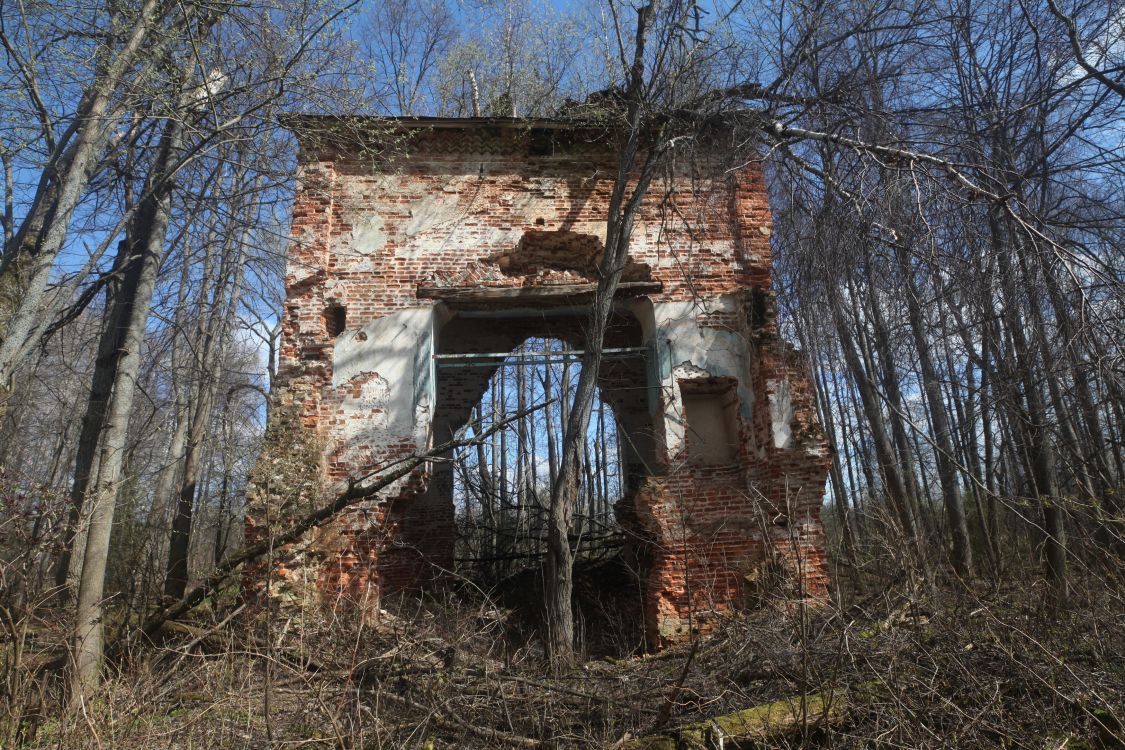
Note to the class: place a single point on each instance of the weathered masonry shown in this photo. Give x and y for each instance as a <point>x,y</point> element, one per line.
<point>477,236</point>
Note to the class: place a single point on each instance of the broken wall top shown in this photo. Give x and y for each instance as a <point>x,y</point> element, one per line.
<point>387,208</point>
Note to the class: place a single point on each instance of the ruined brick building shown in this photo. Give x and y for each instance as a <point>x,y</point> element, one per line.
<point>474,235</point>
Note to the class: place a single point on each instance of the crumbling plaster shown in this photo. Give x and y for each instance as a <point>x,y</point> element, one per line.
<point>687,351</point>
<point>384,372</point>
<point>782,412</point>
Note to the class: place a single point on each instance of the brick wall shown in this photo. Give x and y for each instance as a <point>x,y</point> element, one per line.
<point>461,205</point>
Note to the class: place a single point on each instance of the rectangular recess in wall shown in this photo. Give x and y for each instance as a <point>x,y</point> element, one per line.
<point>710,420</point>
<point>335,320</point>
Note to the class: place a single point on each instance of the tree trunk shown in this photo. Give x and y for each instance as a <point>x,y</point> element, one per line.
<point>212,346</point>
<point>827,419</point>
<point>25,267</point>
<point>1033,426</point>
<point>146,240</point>
<point>106,364</point>
<point>961,552</point>
<point>895,486</point>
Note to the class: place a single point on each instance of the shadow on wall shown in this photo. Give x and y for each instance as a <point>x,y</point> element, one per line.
<point>540,251</point>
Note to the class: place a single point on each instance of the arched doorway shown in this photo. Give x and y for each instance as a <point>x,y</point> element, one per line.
<point>502,483</point>
<point>481,516</point>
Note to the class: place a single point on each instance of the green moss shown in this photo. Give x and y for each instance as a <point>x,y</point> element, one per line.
<point>746,727</point>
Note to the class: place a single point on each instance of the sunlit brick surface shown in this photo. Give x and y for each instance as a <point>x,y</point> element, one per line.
<point>472,205</point>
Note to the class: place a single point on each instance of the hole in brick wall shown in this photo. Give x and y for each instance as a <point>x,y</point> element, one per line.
<point>710,421</point>
<point>335,320</point>
<point>541,250</point>
<point>759,308</point>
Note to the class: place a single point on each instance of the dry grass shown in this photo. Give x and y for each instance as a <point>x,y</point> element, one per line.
<point>969,669</point>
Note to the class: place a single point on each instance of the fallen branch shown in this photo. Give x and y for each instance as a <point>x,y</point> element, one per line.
<point>552,688</point>
<point>201,634</point>
<point>357,491</point>
<point>674,694</point>
<point>450,724</point>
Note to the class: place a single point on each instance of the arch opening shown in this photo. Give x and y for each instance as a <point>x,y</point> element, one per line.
<point>489,527</point>
<point>502,484</point>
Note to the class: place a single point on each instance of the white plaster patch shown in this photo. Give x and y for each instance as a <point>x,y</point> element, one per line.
<point>369,236</point>
<point>532,205</point>
<point>297,268</point>
<point>642,310</point>
<point>298,273</point>
<point>782,413</point>
<point>374,394</point>
<point>545,186</point>
<point>431,212</point>
<point>722,353</point>
<point>640,244</point>
<point>498,237</point>
<point>690,351</point>
<point>462,183</point>
<point>423,422</point>
<point>688,371</point>
<point>386,350</point>
<point>335,289</point>
<point>357,262</point>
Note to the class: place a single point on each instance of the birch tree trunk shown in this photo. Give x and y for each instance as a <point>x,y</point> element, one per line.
<point>25,267</point>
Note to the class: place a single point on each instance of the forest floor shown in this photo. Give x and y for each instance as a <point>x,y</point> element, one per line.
<point>972,668</point>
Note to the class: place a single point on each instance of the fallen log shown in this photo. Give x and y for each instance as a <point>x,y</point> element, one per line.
<point>750,727</point>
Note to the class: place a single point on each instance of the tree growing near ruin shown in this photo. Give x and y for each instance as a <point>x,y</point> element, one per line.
<point>830,114</point>
<point>166,92</point>
<point>995,243</point>
<point>947,190</point>
<point>131,43</point>
<point>648,74</point>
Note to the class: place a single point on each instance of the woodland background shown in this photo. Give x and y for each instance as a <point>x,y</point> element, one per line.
<point>949,202</point>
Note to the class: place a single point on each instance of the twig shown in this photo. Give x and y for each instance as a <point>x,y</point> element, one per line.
<point>494,735</point>
<point>670,700</point>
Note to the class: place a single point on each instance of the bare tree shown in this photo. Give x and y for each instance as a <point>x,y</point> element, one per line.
<point>145,242</point>
<point>73,154</point>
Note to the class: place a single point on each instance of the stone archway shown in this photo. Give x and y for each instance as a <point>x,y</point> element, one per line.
<point>469,342</point>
